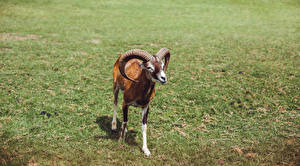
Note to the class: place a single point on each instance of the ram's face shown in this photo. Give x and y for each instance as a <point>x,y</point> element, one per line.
<point>155,68</point>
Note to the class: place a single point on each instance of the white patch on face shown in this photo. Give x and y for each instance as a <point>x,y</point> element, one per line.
<point>162,77</point>
<point>150,67</point>
<point>162,73</point>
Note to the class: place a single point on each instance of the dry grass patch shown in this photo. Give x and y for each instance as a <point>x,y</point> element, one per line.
<point>15,37</point>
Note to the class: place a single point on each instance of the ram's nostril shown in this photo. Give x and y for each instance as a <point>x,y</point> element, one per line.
<point>163,78</point>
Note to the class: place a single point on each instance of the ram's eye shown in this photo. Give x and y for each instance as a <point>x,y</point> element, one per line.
<point>149,68</point>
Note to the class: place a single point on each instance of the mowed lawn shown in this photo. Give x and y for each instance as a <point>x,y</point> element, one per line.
<point>232,96</point>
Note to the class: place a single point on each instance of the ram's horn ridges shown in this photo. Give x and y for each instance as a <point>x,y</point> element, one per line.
<point>131,54</point>
<point>164,53</point>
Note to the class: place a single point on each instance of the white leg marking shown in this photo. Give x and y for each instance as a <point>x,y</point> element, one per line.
<point>144,130</point>
<point>114,121</point>
<point>123,132</point>
<point>145,148</point>
<point>162,77</point>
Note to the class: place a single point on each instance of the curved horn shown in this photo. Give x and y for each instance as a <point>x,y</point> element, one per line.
<point>164,52</point>
<point>136,53</point>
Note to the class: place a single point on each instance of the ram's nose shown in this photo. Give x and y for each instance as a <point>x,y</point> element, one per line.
<point>163,80</point>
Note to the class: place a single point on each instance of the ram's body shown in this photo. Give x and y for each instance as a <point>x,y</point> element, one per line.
<point>135,73</point>
<point>135,93</point>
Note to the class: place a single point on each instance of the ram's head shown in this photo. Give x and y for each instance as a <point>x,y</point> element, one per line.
<point>152,64</point>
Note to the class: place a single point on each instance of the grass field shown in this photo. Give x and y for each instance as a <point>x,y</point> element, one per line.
<point>232,96</point>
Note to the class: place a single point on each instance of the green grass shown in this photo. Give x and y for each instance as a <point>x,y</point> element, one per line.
<point>232,96</point>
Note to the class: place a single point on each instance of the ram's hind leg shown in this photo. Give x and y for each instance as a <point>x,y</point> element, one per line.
<point>125,120</point>
<point>114,121</point>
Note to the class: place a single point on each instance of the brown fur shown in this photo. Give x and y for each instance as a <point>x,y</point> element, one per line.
<point>135,93</point>
<point>137,82</point>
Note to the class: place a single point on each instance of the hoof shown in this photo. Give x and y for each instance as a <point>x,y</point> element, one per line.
<point>121,139</point>
<point>146,151</point>
<point>114,126</point>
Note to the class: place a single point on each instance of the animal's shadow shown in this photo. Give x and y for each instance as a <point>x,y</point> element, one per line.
<point>104,122</point>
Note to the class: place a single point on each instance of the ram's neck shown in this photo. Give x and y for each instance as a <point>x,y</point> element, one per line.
<point>146,78</point>
<point>147,83</point>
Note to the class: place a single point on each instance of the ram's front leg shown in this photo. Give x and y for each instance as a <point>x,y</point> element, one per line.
<point>114,121</point>
<point>144,130</point>
<point>125,120</point>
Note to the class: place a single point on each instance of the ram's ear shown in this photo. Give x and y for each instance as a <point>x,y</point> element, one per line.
<point>142,66</point>
<point>147,66</point>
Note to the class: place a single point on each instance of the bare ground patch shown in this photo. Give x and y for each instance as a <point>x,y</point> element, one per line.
<point>5,49</point>
<point>12,36</point>
<point>95,41</point>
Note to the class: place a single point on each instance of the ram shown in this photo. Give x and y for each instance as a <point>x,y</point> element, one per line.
<point>135,73</point>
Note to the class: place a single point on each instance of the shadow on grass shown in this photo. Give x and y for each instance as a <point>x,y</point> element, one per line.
<point>104,123</point>
<point>9,153</point>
